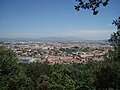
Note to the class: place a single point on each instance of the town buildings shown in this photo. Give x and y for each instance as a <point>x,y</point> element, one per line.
<point>59,52</point>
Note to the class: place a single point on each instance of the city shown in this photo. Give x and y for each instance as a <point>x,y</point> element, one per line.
<point>59,52</point>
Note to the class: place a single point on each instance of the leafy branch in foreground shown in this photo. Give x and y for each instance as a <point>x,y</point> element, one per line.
<point>91,4</point>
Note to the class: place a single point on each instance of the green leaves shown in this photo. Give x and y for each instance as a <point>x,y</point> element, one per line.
<point>107,76</point>
<point>115,40</point>
<point>11,75</point>
<point>42,76</point>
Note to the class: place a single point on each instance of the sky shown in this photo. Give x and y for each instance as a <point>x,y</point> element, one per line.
<point>55,18</point>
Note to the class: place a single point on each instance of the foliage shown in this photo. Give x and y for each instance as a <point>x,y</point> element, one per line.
<point>11,75</point>
<point>43,76</point>
<point>117,22</point>
<point>115,40</point>
<point>107,76</point>
<point>91,4</point>
<point>38,72</point>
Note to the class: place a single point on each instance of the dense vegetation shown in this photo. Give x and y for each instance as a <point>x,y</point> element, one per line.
<point>43,76</point>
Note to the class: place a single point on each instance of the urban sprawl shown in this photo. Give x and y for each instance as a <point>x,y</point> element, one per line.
<point>58,52</point>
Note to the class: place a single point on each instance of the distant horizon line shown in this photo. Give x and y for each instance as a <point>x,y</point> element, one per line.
<point>52,38</point>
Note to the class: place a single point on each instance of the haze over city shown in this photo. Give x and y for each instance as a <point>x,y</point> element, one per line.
<point>44,18</point>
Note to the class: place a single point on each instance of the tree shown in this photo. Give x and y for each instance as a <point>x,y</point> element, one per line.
<point>115,40</point>
<point>39,74</point>
<point>107,76</point>
<point>11,75</point>
<point>90,4</point>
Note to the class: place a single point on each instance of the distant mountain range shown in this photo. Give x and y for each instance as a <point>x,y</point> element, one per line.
<point>43,39</point>
<point>58,39</point>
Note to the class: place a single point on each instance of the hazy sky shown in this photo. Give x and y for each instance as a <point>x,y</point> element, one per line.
<point>55,18</point>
